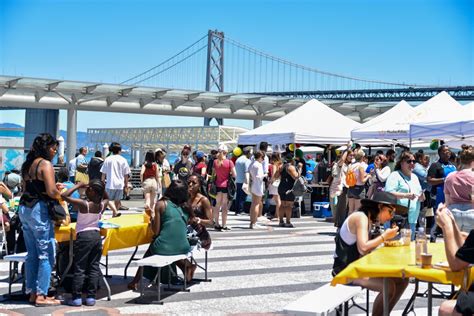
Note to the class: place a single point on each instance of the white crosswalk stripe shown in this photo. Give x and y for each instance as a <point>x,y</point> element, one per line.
<point>257,271</point>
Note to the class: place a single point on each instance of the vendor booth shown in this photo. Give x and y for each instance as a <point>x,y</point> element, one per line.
<point>311,123</point>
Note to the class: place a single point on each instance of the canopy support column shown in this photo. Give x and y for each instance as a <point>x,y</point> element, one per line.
<point>257,123</point>
<point>71,133</point>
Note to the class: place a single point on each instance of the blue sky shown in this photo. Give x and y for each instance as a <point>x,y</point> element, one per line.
<point>425,42</point>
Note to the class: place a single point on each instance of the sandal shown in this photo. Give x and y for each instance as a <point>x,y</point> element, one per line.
<point>42,301</point>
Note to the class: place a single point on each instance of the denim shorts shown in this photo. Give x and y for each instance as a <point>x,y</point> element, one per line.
<point>464,219</point>
<point>356,192</point>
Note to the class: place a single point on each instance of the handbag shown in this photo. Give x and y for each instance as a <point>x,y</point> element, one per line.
<point>231,189</point>
<point>55,210</point>
<point>212,189</point>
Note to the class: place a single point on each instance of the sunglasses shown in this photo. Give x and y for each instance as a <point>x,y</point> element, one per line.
<point>410,161</point>
<point>391,209</point>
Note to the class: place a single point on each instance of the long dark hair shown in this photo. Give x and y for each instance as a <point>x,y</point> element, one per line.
<point>149,159</point>
<point>39,148</point>
<point>202,184</point>
<point>372,210</point>
<point>178,193</point>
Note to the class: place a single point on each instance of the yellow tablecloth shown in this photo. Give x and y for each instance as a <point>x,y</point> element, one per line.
<point>399,262</point>
<point>131,233</point>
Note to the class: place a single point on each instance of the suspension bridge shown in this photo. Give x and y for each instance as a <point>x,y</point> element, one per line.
<point>214,77</point>
<point>249,70</point>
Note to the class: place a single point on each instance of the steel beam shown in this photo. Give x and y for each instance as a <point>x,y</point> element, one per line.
<point>460,93</point>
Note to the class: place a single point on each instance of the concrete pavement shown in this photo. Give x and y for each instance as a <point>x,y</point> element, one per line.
<point>252,271</point>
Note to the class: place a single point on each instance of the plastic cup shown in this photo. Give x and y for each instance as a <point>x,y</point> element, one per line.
<point>426,260</point>
<point>405,236</point>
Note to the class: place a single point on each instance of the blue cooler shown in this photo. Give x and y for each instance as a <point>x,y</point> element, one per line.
<point>321,210</point>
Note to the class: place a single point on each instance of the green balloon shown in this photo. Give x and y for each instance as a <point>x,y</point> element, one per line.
<point>434,144</point>
<point>299,153</point>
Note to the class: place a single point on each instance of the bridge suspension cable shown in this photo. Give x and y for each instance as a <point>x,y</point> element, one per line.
<point>248,69</point>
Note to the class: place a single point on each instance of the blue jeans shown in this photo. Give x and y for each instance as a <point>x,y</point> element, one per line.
<point>240,199</point>
<point>38,232</point>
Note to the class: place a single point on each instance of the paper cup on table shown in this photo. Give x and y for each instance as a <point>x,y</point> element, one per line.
<point>426,260</point>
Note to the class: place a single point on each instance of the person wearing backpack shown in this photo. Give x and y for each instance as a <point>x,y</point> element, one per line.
<point>341,170</point>
<point>356,178</point>
<point>289,174</point>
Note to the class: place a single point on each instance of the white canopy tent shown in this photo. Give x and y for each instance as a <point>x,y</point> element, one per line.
<point>311,123</point>
<point>386,127</point>
<point>395,126</point>
<point>454,131</point>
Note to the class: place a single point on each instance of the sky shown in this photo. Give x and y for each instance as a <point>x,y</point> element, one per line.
<point>424,42</point>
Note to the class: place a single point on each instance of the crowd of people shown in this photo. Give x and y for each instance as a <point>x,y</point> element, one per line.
<point>195,192</point>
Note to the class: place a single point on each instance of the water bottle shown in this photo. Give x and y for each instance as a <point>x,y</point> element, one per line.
<point>422,222</point>
<point>421,244</point>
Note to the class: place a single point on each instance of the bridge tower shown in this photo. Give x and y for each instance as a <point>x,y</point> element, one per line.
<point>215,67</point>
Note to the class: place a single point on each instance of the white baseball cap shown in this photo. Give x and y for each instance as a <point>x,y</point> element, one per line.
<point>223,148</point>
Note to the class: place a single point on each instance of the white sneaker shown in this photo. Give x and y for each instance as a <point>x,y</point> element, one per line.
<point>262,219</point>
<point>258,226</point>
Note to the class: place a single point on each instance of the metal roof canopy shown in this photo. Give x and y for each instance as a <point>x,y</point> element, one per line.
<point>24,92</point>
<point>171,138</point>
<point>73,96</point>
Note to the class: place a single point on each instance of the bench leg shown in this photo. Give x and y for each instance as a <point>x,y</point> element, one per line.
<point>159,287</point>
<point>10,279</point>
<point>385,297</point>
<point>206,279</point>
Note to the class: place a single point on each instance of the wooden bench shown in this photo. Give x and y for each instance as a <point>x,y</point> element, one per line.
<point>158,261</point>
<point>324,300</point>
<point>17,257</point>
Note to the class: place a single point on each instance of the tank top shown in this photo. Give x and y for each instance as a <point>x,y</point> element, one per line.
<point>35,190</point>
<point>199,211</point>
<point>346,235</point>
<point>286,180</point>
<point>150,172</point>
<point>88,221</point>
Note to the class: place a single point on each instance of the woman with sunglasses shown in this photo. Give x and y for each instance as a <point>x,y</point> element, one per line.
<point>353,242</point>
<point>404,184</point>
